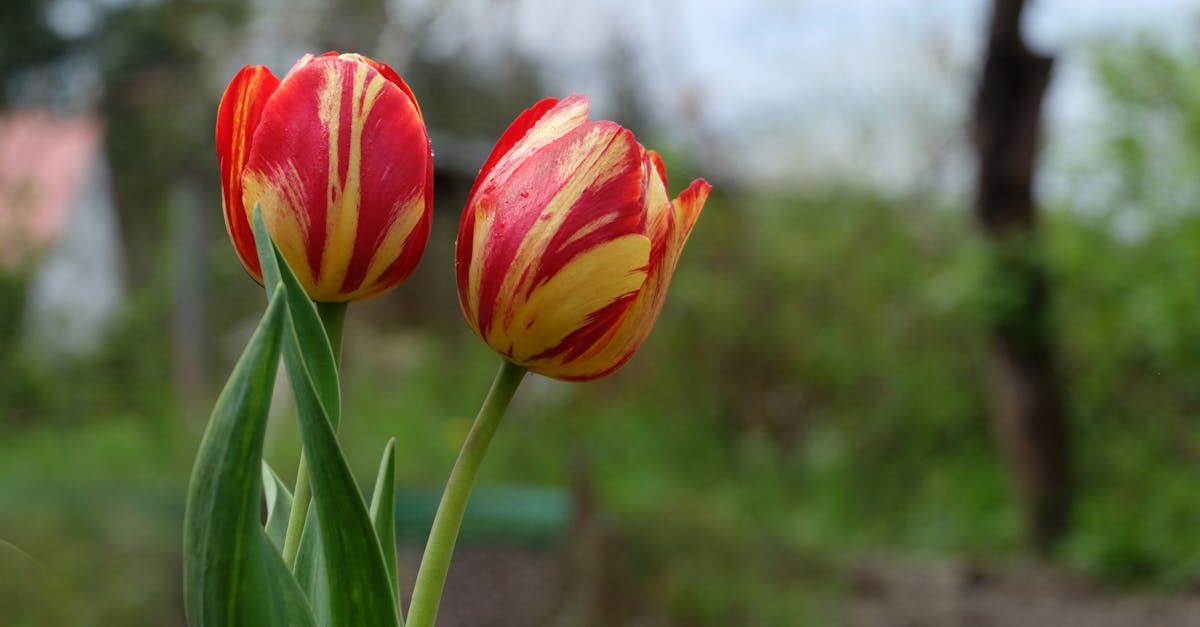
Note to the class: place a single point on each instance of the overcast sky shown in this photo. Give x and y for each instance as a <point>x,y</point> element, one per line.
<point>802,89</point>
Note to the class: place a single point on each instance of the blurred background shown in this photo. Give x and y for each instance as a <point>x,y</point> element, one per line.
<point>932,355</point>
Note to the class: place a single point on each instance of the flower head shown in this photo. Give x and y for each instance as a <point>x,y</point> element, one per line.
<point>337,156</point>
<point>568,242</point>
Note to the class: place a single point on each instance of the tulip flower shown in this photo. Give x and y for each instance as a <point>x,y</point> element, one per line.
<point>568,242</point>
<point>337,157</point>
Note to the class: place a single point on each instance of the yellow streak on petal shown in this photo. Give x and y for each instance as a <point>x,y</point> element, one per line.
<point>591,161</point>
<point>566,302</point>
<point>625,338</point>
<point>546,130</point>
<point>669,223</point>
<point>392,244</point>
<point>659,217</point>
<point>241,146</point>
<point>329,112</point>
<point>479,246</point>
<point>687,209</point>
<point>587,229</point>
<point>281,196</point>
<point>341,217</point>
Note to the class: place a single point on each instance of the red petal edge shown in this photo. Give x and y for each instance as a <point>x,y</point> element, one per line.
<point>515,132</point>
<point>237,117</point>
<point>393,77</point>
<point>466,225</point>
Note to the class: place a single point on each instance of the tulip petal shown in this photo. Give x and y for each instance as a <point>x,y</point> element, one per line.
<point>340,164</point>
<point>515,133</point>
<point>393,77</point>
<point>550,126</point>
<point>687,208</point>
<point>465,251</point>
<point>610,353</point>
<point>581,180</point>
<point>238,116</point>
<point>605,276</point>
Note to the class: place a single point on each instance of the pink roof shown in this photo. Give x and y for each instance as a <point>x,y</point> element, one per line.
<point>43,163</point>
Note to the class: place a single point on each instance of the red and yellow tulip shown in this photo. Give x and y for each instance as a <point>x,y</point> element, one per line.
<point>337,156</point>
<point>568,242</point>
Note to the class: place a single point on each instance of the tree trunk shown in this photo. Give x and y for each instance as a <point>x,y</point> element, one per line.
<point>1029,411</point>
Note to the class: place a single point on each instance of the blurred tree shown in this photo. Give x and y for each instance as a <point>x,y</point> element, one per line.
<point>1029,410</point>
<point>152,58</point>
<point>26,40</point>
<point>142,63</point>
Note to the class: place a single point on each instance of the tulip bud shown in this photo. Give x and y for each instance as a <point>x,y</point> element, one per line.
<point>337,156</point>
<point>568,242</point>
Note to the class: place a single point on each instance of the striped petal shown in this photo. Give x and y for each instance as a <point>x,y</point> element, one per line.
<point>341,166</point>
<point>668,234</point>
<point>237,118</point>
<point>466,227</point>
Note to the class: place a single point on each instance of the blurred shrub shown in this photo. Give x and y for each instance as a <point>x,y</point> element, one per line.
<point>1125,249</point>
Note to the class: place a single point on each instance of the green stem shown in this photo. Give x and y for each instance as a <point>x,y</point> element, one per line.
<point>431,576</point>
<point>301,497</point>
<point>333,318</point>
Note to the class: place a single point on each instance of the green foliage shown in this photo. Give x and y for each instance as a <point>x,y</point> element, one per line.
<point>122,377</point>
<point>1124,257</point>
<point>279,506</point>
<point>232,573</point>
<point>383,511</point>
<point>1129,326</point>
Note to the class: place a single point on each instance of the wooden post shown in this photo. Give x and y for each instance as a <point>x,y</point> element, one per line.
<point>1029,412</point>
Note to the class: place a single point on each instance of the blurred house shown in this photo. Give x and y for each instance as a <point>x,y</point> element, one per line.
<point>58,229</point>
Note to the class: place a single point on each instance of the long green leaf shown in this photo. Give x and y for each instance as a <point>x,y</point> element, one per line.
<point>383,512</point>
<point>357,578</point>
<point>311,573</point>
<point>279,505</point>
<point>317,352</point>
<point>233,577</point>
<point>310,559</point>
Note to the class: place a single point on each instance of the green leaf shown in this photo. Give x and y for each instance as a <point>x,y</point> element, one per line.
<point>310,560</point>
<point>353,560</point>
<point>279,505</point>
<point>310,569</point>
<point>317,352</point>
<point>383,512</point>
<point>232,574</point>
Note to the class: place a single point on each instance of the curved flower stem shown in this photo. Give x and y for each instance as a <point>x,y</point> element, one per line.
<point>333,318</point>
<point>435,563</point>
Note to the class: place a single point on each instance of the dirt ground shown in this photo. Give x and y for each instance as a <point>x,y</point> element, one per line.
<point>494,587</point>
<point>501,587</point>
<point>964,594</point>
